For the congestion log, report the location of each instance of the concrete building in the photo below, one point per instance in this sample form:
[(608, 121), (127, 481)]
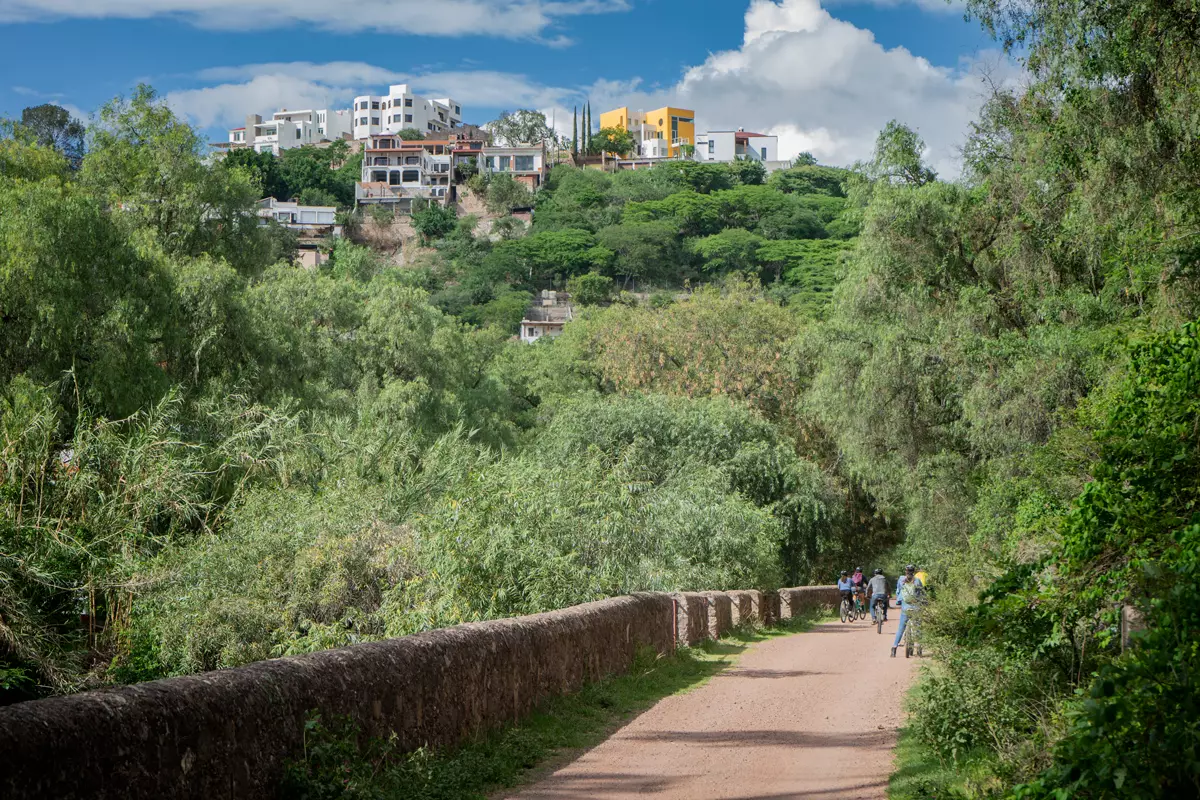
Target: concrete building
[(286, 129), (396, 171), (315, 226), (400, 108), (733, 145), (666, 132), (526, 163), (546, 317)]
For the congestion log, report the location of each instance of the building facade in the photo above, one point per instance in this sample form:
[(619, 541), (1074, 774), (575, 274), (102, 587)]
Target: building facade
[(286, 129), (401, 108), (668, 132), (735, 145), (525, 163), (396, 171)]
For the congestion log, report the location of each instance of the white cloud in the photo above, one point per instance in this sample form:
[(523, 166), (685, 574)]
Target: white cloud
[(819, 83), (942, 6), (506, 18), (264, 88), (824, 85)]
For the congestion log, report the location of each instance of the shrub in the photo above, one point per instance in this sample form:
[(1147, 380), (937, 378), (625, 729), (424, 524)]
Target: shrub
[(590, 289)]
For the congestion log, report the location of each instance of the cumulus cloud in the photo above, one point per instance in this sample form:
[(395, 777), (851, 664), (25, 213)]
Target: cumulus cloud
[(505, 18), (819, 83)]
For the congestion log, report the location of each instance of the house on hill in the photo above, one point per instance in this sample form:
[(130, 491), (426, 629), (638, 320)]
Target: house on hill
[(547, 316)]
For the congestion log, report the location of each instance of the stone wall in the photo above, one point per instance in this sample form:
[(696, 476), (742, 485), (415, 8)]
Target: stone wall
[(800, 601), (227, 734)]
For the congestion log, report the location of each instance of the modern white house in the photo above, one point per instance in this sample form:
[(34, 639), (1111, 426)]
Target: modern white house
[(526, 163), (725, 146), (315, 226), (286, 129), (401, 108)]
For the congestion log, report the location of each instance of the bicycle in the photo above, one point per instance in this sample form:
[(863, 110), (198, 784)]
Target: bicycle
[(860, 606), (878, 609), (847, 610), (910, 637)]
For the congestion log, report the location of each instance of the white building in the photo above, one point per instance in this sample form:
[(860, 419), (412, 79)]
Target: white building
[(727, 146), (397, 171), (400, 108), (315, 227), (525, 163), (546, 317), (287, 129)]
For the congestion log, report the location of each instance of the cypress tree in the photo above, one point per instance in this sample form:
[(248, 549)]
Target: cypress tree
[(575, 130), (588, 140)]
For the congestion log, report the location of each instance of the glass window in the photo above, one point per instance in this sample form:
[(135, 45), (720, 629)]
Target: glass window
[(524, 164), (379, 176), (395, 118), (505, 163), (764, 153), (375, 104), (393, 178), (490, 162), (408, 117), (712, 146), (457, 110), (374, 120), (320, 129), (412, 176), (362, 120), (412, 160), (408, 102)]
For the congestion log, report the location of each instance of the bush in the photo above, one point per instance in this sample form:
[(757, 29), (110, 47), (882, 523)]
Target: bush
[(590, 289)]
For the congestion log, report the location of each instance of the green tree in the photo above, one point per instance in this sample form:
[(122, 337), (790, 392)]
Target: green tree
[(410, 135), (433, 220), (262, 167), (614, 140), (733, 249), (644, 250), (575, 130), (590, 289), (523, 126), (53, 127), (505, 193), (898, 157)]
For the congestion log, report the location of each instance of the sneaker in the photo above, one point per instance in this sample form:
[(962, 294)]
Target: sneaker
[(893, 652)]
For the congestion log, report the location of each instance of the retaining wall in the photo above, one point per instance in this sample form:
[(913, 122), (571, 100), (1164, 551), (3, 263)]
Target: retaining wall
[(799, 601), (227, 734)]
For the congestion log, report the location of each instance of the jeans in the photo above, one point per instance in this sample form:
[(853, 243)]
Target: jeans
[(904, 612), (876, 598)]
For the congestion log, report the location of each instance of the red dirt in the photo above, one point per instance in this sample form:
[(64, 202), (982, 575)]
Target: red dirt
[(812, 715)]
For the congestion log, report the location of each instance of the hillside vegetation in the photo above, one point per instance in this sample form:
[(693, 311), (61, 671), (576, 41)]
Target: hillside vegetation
[(211, 456)]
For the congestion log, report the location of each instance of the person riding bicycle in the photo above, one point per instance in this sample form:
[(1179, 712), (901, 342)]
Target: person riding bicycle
[(858, 582), (846, 587), (877, 589), (908, 594)]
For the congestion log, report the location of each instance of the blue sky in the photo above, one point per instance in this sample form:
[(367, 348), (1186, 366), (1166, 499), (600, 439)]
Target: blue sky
[(823, 77)]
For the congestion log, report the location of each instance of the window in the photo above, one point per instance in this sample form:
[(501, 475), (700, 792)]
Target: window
[(363, 105), (379, 161), (408, 102), (412, 176), (321, 117), (441, 116), (490, 162), (396, 117), (764, 153), (375, 104), (408, 117), (457, 111), (505, 163), (297, 133), (430, 126), (412, 160), (374, 120), (385, 144), (524, 164), (362, 120), (320, 129), (379, 176), (394, 178), (712, 146)]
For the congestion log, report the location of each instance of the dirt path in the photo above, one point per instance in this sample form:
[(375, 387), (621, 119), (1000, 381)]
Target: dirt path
[(812, 715)]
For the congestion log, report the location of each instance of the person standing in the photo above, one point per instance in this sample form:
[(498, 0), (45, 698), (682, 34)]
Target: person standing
[(908, 595)]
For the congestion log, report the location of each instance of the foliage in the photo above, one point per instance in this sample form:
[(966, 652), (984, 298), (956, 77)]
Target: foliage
[(523, 126), (590, 288), (53, 127), (433, 220), (505, 194), (617, 141)]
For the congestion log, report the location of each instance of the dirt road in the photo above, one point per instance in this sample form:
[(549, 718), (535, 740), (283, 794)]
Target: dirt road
[(812, 715)]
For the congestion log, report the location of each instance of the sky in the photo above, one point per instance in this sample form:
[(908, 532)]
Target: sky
[(823, 75)]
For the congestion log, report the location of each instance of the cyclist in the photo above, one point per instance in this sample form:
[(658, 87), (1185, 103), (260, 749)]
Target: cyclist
[(846, 587), (859, 583), (908, 595), (924, 579), (877, 589)]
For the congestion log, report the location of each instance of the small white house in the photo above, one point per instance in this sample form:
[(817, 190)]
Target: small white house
[(546, 317), (726, 146), (315, 226), (526, 163), (287, 129)]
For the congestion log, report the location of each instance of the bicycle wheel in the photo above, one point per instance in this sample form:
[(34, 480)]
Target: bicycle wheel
[(845, 608), (908, 640), (878, 620)]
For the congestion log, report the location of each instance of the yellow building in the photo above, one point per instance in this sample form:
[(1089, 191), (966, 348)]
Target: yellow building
[(674, 127)]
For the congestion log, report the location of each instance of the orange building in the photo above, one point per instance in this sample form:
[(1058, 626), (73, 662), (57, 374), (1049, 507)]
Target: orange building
[(662, 132)]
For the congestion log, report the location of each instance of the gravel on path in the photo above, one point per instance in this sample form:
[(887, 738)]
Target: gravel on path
[(813, 715)]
